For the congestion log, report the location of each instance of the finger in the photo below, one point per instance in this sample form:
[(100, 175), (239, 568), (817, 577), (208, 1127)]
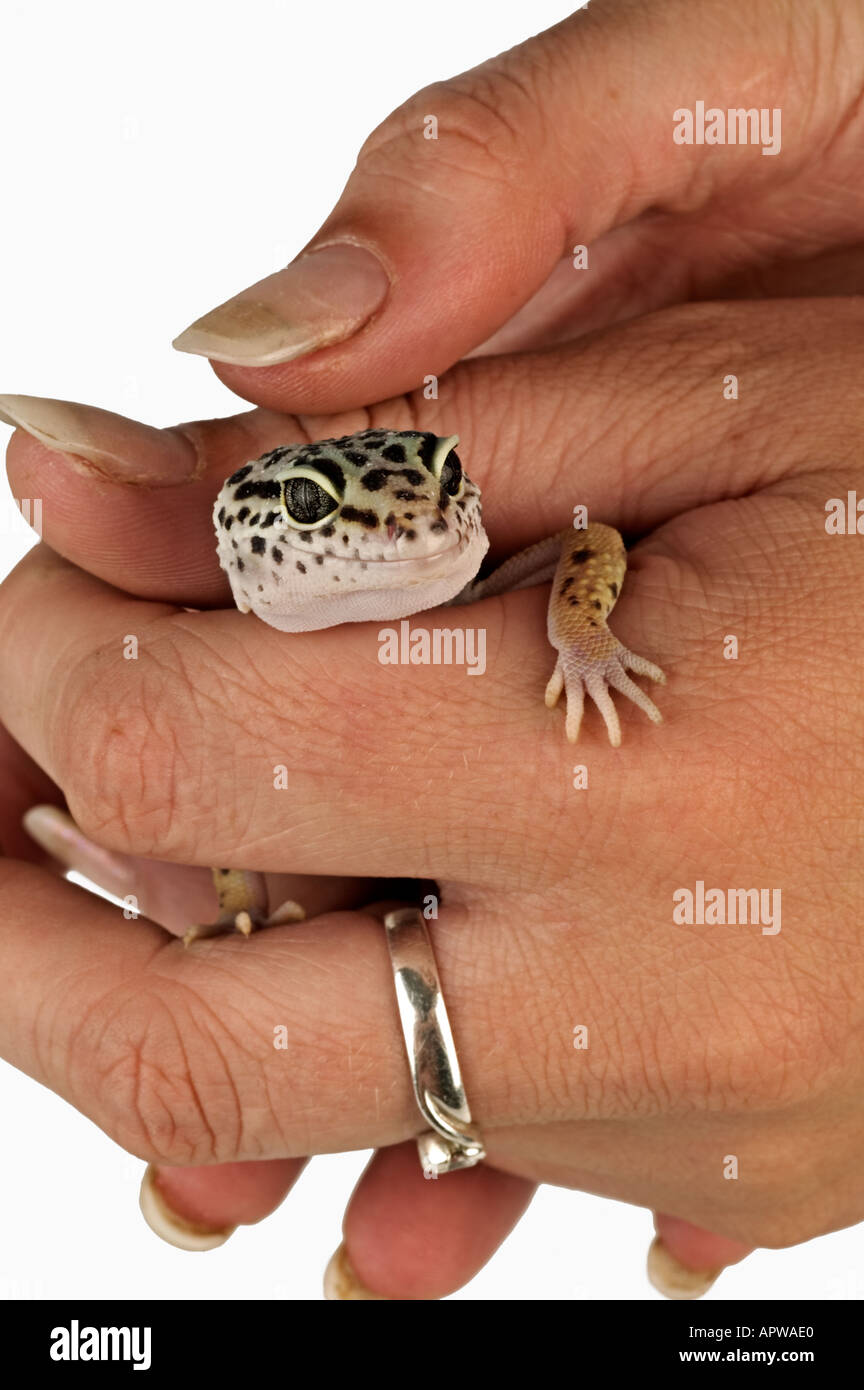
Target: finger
[(677, 442), (288, 1046), (159, 756), (134, 503), (409, 1238), (200, 1208), (285, 743), (684, 1260), (644, 266), (400, 282)]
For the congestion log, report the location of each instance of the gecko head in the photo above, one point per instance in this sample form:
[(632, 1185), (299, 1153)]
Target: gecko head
[(369, 527)]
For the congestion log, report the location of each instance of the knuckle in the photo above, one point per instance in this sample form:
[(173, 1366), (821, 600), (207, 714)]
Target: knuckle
[(154, 1074), (117, 748), (484, 123)]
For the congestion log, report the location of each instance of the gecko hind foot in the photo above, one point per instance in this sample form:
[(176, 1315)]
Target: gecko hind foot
[(576, 675), (245, 922), (243, 907)]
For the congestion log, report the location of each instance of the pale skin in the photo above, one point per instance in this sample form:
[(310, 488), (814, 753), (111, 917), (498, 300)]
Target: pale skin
[(704, 1042)]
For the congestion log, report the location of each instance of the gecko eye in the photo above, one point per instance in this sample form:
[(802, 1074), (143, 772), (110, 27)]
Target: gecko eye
[(307, 498), (446, 465)]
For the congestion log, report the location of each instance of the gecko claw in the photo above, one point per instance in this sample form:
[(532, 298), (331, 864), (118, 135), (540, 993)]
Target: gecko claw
[(287, 912)]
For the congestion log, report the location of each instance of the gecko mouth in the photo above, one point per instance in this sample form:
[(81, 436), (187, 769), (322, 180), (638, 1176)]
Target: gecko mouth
[(393, 560)]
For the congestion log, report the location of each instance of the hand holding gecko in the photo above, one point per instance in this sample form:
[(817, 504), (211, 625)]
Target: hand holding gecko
[(646, 440)]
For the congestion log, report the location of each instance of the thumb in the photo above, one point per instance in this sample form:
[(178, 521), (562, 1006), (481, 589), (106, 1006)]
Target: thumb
[(467, 197)]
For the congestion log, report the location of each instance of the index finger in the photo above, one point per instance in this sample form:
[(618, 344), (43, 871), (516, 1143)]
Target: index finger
[(632, 424)]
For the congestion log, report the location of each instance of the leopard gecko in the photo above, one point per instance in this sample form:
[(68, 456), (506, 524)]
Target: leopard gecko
[(382, 524)]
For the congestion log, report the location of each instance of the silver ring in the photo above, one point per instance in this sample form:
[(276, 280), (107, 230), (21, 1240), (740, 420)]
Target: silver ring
[(452, 1141)]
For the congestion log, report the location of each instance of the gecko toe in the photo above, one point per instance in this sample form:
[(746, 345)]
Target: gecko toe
[(642, 666), (619, 680)]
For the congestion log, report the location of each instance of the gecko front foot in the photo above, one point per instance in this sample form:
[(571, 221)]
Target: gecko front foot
[(243, 907), (587, 582), (576, 672)]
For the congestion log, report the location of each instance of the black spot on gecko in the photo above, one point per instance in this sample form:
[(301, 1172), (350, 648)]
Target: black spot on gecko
[(346, 539), (409, 516), (228, 523), (270, 460), (277, 554), (319, 559), (243, 513), (405, 496), (566, 585), (332, 472), (301, 567), (354, 456), (240, 475), (327, 531), (235, 545), (438, 525), (375, 479), (240, 565), (270, 518), (253, 520), (573, 602), (595, 603), (259, 545), (306, 536), (261, 489), (613, 589), (221, 516), (368, 519), (394, 453), (580, 556)]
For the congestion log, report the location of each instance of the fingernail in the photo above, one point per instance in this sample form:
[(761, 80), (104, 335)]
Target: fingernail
[(341, 1283), (176, 1230), (117, 448), (672, 1278), (322, 298), (56, 832)]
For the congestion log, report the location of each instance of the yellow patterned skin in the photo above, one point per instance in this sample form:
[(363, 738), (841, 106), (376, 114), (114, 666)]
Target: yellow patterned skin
[(585, 588)]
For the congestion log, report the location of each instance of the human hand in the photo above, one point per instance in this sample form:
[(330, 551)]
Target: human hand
[(703, 1042)]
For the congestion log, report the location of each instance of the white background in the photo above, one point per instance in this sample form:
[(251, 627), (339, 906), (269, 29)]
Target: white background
[(155, 159)]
